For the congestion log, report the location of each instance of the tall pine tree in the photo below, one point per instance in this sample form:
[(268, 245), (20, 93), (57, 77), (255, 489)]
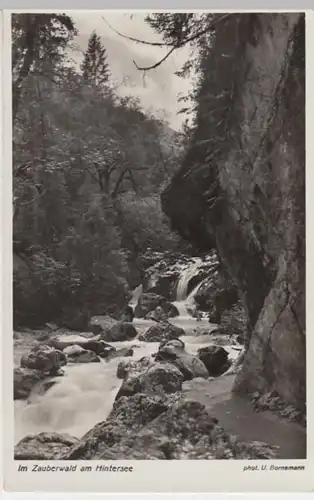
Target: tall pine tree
[(94, 66)]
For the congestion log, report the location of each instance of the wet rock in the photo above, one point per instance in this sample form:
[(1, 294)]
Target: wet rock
[(126, 368), (163, 428), (44, 446), (86, 357), (73, 350), (148, 302), (125, 352), (236, 365), (158, 379), (62, 342), (87, 335), (43, 358), (24, 380), (120, 331), (271, 401), (215, 358), (187, 431), (128, 314), (97, 346), (162, 332), (129, 414), (108, 352), (62, 358), (42, 337), (189, 365), (101, 324), (176, 343), (157, 315)]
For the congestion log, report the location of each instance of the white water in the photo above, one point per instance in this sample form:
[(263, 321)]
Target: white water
[(78, 400), (185, 277), (184, 302), (85, 394)]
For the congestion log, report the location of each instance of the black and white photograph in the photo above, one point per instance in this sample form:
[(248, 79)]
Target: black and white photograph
[(158, 251)]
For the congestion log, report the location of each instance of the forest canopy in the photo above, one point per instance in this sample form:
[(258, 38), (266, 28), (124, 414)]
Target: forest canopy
[(88, 169)]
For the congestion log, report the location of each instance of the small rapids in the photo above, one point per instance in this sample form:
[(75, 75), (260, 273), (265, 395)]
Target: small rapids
[(85, 394), (78, 400)]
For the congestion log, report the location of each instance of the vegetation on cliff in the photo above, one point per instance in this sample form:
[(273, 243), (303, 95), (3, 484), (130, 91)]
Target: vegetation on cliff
[(244, 177)]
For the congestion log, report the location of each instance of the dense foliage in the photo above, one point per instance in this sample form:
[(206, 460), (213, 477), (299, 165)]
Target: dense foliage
[(88, 170), (218, 118)]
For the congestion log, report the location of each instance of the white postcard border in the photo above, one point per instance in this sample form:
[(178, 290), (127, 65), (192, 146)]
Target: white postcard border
[(148, 476)]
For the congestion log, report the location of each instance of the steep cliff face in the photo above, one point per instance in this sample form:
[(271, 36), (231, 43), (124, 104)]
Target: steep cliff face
[(256, 214)]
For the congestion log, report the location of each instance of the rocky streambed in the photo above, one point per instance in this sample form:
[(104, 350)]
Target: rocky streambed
[(152, 394)]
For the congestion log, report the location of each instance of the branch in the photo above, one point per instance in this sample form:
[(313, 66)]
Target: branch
[(157, 63), (180, 44), (132, 180), (137, 40), (119, 180)]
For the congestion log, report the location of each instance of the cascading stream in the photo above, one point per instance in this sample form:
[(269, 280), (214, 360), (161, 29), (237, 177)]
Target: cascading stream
[(85, 394), (185, 302), (186, 276)]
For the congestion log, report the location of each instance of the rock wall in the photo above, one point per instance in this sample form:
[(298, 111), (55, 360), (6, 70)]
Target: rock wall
[(257, 220)]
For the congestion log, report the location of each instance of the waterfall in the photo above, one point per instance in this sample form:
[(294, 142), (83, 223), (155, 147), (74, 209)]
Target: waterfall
[(137, 292), (187, 274), (184, 301)]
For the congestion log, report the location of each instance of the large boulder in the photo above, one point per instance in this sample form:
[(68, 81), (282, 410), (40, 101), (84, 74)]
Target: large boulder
[(109, 329), (43, 358), (157, 315), (215, 358), (128, 416), (97, 346), (159, 378), (162, 332), (101, 324), (216, 294), (163, 428), (189, 365), (24, 380), (72, 343), (44, 446), (61, 342), (73, 350), (120, 332), (126, 368), (149, 301)]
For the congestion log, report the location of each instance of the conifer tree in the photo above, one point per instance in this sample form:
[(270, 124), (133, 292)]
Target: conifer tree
[(94, 66)]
